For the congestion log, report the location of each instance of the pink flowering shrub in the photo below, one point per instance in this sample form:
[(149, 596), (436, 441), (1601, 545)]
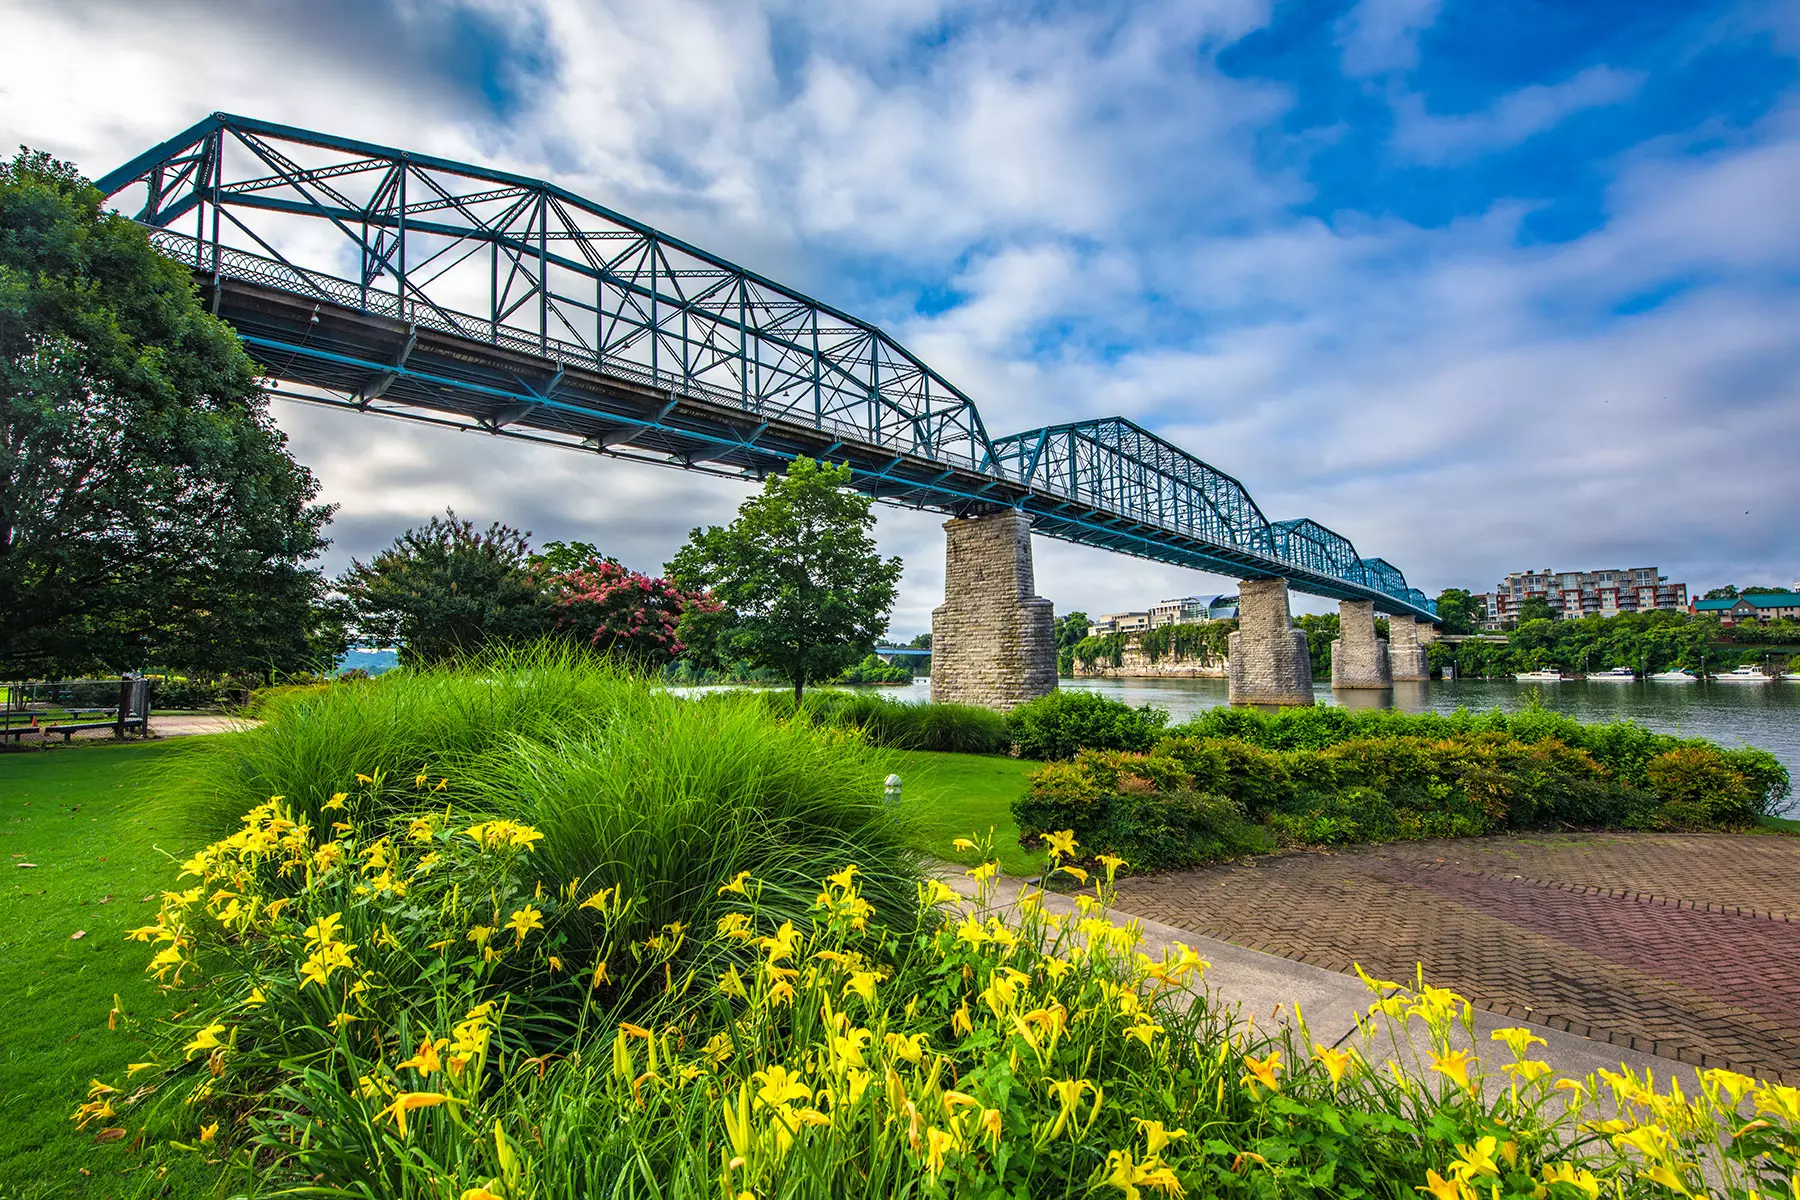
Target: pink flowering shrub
[(617, 611)]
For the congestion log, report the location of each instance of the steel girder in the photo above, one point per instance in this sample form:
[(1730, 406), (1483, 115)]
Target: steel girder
[(415, 287), (518, 262)]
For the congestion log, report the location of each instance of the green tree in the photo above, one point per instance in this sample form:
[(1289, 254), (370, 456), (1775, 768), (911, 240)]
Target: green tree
[(1071, 628), (447, 590), (1766, 591), (804, 591), (1728, 592), (149, 511), (1457, 610), (1536, 608)]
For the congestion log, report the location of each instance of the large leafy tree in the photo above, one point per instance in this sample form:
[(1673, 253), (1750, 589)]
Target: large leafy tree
[(447, 590), (803, 590), (1457, 609), (149, 511)]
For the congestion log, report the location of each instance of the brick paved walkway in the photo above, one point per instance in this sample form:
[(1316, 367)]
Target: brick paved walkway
[(1685, 946)]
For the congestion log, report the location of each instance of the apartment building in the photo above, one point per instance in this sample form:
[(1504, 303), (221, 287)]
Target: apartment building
[(1576, 594), (1183, 610)]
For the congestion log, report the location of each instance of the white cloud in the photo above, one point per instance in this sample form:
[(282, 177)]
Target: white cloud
[(1383, 35), (1510, 120), (1089, 188)]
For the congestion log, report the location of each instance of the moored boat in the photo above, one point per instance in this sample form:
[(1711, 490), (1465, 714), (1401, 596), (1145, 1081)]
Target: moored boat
[(1673, 676), (1743, 674), (1541, 677), (1616, 675)]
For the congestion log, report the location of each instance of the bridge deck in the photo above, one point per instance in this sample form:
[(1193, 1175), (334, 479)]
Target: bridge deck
[(606, 335)]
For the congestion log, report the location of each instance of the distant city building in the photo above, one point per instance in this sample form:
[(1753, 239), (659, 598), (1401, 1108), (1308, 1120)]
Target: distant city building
[(1184, 610), (1576, 594), (1761, 607)]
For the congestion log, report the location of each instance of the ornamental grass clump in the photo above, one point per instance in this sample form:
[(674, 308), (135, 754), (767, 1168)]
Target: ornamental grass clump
[(942, 1048)]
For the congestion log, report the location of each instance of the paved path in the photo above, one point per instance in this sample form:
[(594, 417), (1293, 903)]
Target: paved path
[(1269, 991), (1681, 946)]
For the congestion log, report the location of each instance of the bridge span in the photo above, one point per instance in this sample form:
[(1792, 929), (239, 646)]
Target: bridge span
[(388, 282)]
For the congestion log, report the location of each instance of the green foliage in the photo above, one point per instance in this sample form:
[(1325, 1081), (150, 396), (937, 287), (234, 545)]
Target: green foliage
[(1205, 642), (149, 510), (1458, 610), (1107, 649), (447, 590), (1071, 628), (1728, 592), (959, 728), (804, 591), (1065, 722), (1321, 630), (872, 670), (1624, 749), (1535, 608), (1698, 788), (1329, 775)]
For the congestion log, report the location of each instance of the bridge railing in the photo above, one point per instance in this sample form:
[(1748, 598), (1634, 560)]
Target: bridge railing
[(233, 263)]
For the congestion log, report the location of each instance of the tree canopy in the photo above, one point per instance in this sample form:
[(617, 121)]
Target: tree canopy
[(1458, 610), (149, 511), (447, 590), (803, 589)]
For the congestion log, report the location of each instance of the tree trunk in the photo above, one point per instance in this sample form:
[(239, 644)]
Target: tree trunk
[(799, 684)]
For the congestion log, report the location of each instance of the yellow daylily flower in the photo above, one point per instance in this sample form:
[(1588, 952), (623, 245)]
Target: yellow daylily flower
[(524, 920), (1061, 843), (1262, 1070), (407, 1102)]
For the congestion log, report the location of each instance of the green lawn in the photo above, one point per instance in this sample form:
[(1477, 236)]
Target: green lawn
[(964, 795), (81, 847), (1780, 824), (86, 821)]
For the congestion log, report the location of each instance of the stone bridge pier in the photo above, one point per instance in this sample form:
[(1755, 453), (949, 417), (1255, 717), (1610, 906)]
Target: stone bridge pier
[(1359, 659), (1267, 658), (993, 641), (1406, 650)]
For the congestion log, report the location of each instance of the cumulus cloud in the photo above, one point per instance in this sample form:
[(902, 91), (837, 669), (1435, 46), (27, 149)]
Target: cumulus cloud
[(1071, 215)]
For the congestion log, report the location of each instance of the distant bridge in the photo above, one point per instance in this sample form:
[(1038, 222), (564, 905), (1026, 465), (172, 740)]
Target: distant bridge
[(410, 286)]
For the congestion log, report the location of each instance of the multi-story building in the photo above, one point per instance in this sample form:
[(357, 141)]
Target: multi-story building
[(1575, 594), (1764, 606), (1184, 610)]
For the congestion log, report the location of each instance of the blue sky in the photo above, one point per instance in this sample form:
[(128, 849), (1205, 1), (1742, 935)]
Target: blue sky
[(1483, 285)]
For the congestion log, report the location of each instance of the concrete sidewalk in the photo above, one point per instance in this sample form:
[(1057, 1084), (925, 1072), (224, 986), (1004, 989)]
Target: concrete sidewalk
[(1266, 989)]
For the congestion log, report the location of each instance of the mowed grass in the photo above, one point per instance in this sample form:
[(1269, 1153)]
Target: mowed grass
[(964, 795), (84, 820)]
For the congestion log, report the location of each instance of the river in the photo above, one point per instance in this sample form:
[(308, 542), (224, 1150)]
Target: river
[(1733, 714)]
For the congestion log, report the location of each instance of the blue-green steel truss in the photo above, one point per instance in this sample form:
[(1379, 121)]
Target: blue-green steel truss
[(415, 287)]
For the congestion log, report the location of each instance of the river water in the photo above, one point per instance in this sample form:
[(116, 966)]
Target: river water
[(1766, 716)]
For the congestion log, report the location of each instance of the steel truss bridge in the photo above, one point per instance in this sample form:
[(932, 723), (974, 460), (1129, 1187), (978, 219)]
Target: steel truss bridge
[(395, 283)]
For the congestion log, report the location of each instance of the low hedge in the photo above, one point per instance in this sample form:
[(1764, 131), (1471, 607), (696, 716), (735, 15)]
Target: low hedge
[(1062, 724), (1190, 800), (1625, 748)]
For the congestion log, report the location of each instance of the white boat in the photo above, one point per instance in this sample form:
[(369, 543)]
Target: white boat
[(1616, 675), (1681, 676), (1743, 674), (1540, 677), (1792, 677)]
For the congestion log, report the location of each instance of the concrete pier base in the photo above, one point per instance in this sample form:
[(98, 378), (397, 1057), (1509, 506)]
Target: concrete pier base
[(1268, 662), (1406, 656), (1359, 659), (993, 641)]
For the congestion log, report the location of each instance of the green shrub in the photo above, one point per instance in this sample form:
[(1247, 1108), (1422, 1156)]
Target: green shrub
[(1066, 722), (1698, 787), (1258, 780), (1379, 786), (1623, 748), (1142, 807)]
